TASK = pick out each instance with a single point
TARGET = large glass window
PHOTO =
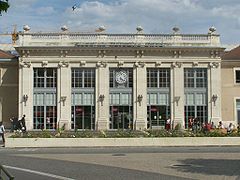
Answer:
(237, 76)
(44, 98)
(45, 78)
(195, 78)
(83, 78)
(121, 110)
(158, 92)
(195, 83)
(158, 78)
(83, 92)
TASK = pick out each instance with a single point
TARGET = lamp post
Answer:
(101, 98)
(176, 99)
(25, 98)
(139, 99)
(214, 98)
(63, 99)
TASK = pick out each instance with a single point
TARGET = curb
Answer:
(115, 142)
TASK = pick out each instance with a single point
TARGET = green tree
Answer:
(3, 6)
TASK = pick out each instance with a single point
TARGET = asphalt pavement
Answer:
(123, 163)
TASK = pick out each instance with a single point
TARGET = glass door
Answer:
(121, 117)
(83, 117)
(157, 116)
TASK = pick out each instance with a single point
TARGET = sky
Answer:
(123, 16)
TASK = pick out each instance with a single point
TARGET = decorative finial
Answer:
(64, 28)
(212, 30)
(26, 28)
(139, 29)
(175, 29)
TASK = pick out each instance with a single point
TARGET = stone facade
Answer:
(231, 86)
(137, 55)
(8, 87)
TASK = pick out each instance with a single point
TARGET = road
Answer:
(123, 163)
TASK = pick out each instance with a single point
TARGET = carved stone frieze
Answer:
(194, 64)
(25, 53)
(176, 64)
(120, 63)
(63, 64)
(24, 64)
(44, 63)
(177, 54)
(214, 54)
(82, 63)
(139, 53)
(158, 63)
(139, 64)
(213, 64)
(63, 53)
(101, 64)
(101, 53)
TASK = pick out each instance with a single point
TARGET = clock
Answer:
(121, 77)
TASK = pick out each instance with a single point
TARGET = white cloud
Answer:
(123, 16)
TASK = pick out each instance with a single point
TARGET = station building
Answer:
(102, 81)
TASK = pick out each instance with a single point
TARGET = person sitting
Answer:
(220, 125)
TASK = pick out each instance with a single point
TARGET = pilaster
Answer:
(214, 96)
(140, 96)
(64, 95)
(177, 95)
(26, 92)
(102, 96)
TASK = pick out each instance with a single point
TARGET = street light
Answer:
(63, 99)
(214, 98)
(101, 98)
(139, 99)
(25, 98)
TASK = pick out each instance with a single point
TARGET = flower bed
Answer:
(125, 134)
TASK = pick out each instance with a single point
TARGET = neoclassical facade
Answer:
(104, 81)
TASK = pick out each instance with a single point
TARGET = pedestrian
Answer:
(230, 128)
(12, 125)
(23, 123)
(2, 132)
(168, 124)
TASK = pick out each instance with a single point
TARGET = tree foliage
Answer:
(4, 5)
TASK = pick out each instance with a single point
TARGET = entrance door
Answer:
(157, 115)
(121, 117)
(83, 117)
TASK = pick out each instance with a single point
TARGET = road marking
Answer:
(38, 172)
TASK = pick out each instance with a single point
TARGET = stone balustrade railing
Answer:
(79, 39)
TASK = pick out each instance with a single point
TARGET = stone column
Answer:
(214, 95)
(177, 95)
(64, 95)
(140, 96)
(26, 93)
(102, 96)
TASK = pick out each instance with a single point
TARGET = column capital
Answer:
(63, 64)
(25, 64)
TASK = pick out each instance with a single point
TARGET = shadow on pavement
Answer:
(227, 167)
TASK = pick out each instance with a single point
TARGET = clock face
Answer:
(121, 77)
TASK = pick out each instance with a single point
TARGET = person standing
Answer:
(2, 131)
(23, 123)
